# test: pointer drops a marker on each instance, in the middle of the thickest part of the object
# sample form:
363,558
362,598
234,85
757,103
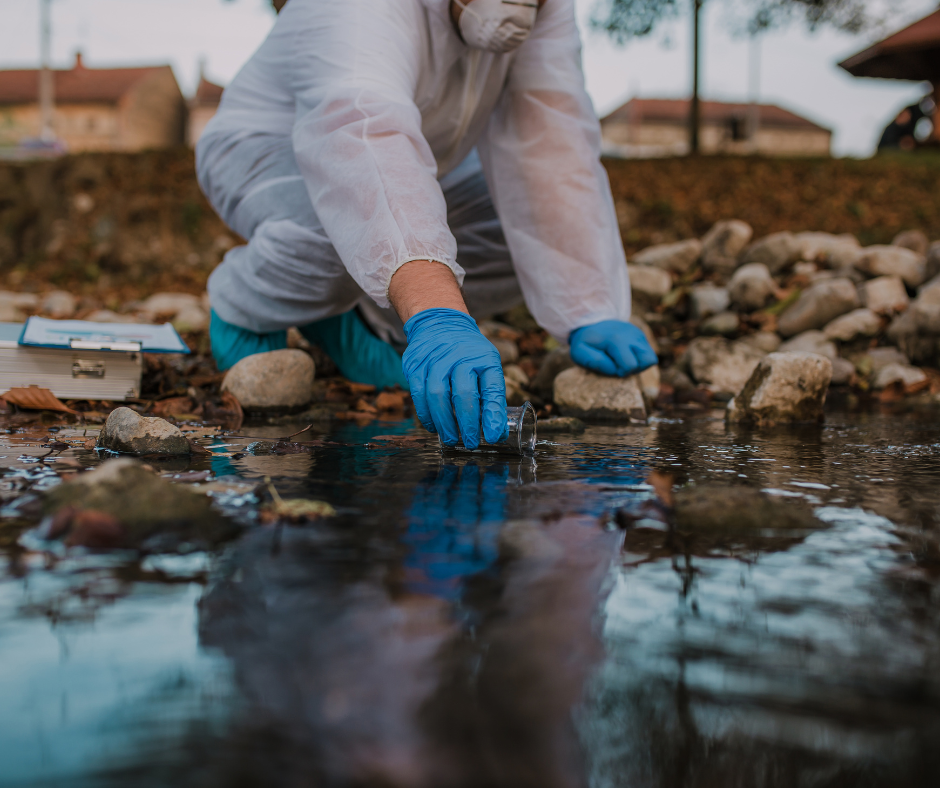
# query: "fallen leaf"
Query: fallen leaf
360,388
297,509
35,398
90,443
390,401
197,448
230,402
364,407
167,407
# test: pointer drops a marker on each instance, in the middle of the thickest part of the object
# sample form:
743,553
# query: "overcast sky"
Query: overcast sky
798,69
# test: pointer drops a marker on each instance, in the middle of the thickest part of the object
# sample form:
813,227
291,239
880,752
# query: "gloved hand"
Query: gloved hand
455,377
611,347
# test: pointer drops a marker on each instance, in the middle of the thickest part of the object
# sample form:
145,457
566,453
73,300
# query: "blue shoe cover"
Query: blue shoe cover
360,355
230,344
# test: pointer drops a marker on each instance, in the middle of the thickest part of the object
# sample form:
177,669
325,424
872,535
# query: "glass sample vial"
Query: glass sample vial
521,423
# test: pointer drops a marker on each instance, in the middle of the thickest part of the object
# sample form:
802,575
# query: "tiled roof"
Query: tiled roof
77,85
912,53
677,111
208,93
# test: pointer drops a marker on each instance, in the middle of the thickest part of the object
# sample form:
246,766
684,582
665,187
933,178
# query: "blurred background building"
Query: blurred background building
645,128
108,109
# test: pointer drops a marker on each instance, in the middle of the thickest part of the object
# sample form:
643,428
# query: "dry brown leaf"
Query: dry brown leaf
390,401
298,509
662,486
360,388
364,407
230,402
35,398
166,407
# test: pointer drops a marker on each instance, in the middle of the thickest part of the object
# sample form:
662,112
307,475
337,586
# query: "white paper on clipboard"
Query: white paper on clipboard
84,335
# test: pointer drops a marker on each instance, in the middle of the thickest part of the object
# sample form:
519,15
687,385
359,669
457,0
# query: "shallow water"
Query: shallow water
475,619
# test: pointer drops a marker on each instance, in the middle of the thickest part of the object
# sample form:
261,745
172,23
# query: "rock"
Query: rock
557,361
128,432
893,261
777,251
59,304
915,240
676,379
843,372
817,305
857,323
833,251
649,380
809,270
919,347
926,314
28,301
676,257
641,324
515,395
766,341
278,379
722,366
107,316
907,376
10,314
508,349
723,324
708,299
723,243
586,395
811,342
559,424
930,288
785,387
169,304
516,373
190,319
144,506
880,357
885,295
649,284
738,511
751,287
933,260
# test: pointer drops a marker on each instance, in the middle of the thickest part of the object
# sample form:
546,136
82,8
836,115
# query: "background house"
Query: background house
202,108
127,109
644,128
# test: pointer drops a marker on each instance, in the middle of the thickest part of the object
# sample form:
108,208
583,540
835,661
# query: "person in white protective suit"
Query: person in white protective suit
400,165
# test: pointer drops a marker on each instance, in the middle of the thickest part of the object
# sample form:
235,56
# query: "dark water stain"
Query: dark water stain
474,620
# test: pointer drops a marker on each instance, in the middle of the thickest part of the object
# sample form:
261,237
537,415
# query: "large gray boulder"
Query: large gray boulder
276,380
675,257
817,305
751,287
893,261
586,395
885,295
857,323
777,251
785,387
721,365
128,432
723,243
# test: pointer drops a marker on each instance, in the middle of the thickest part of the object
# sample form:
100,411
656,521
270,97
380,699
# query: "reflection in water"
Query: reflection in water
464,623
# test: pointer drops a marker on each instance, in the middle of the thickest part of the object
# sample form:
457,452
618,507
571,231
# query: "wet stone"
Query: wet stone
675,257
723,243
723,366
124,503
892,261
560,424
752,287
818,305
593,397
785,387
128,432
777,251
276,380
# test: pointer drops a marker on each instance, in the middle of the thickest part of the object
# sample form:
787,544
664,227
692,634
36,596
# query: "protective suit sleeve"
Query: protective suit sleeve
370,173
541,157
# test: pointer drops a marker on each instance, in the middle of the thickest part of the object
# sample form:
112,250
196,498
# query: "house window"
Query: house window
737,129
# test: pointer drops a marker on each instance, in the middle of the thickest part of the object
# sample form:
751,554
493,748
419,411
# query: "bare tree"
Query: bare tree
626,19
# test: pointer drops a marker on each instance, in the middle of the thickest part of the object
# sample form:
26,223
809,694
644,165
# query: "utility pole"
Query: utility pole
695,114
754,90
46,84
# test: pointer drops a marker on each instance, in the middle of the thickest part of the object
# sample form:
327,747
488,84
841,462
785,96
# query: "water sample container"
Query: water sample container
522,424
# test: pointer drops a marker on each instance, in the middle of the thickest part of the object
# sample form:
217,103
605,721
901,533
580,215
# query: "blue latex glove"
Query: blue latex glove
611,347
455,377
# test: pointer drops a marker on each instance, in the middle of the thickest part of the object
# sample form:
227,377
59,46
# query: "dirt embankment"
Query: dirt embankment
115,226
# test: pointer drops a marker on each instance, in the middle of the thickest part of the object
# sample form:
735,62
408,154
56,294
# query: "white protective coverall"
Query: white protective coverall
345,149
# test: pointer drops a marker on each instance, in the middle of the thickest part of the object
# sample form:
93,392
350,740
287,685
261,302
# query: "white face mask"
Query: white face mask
497,25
